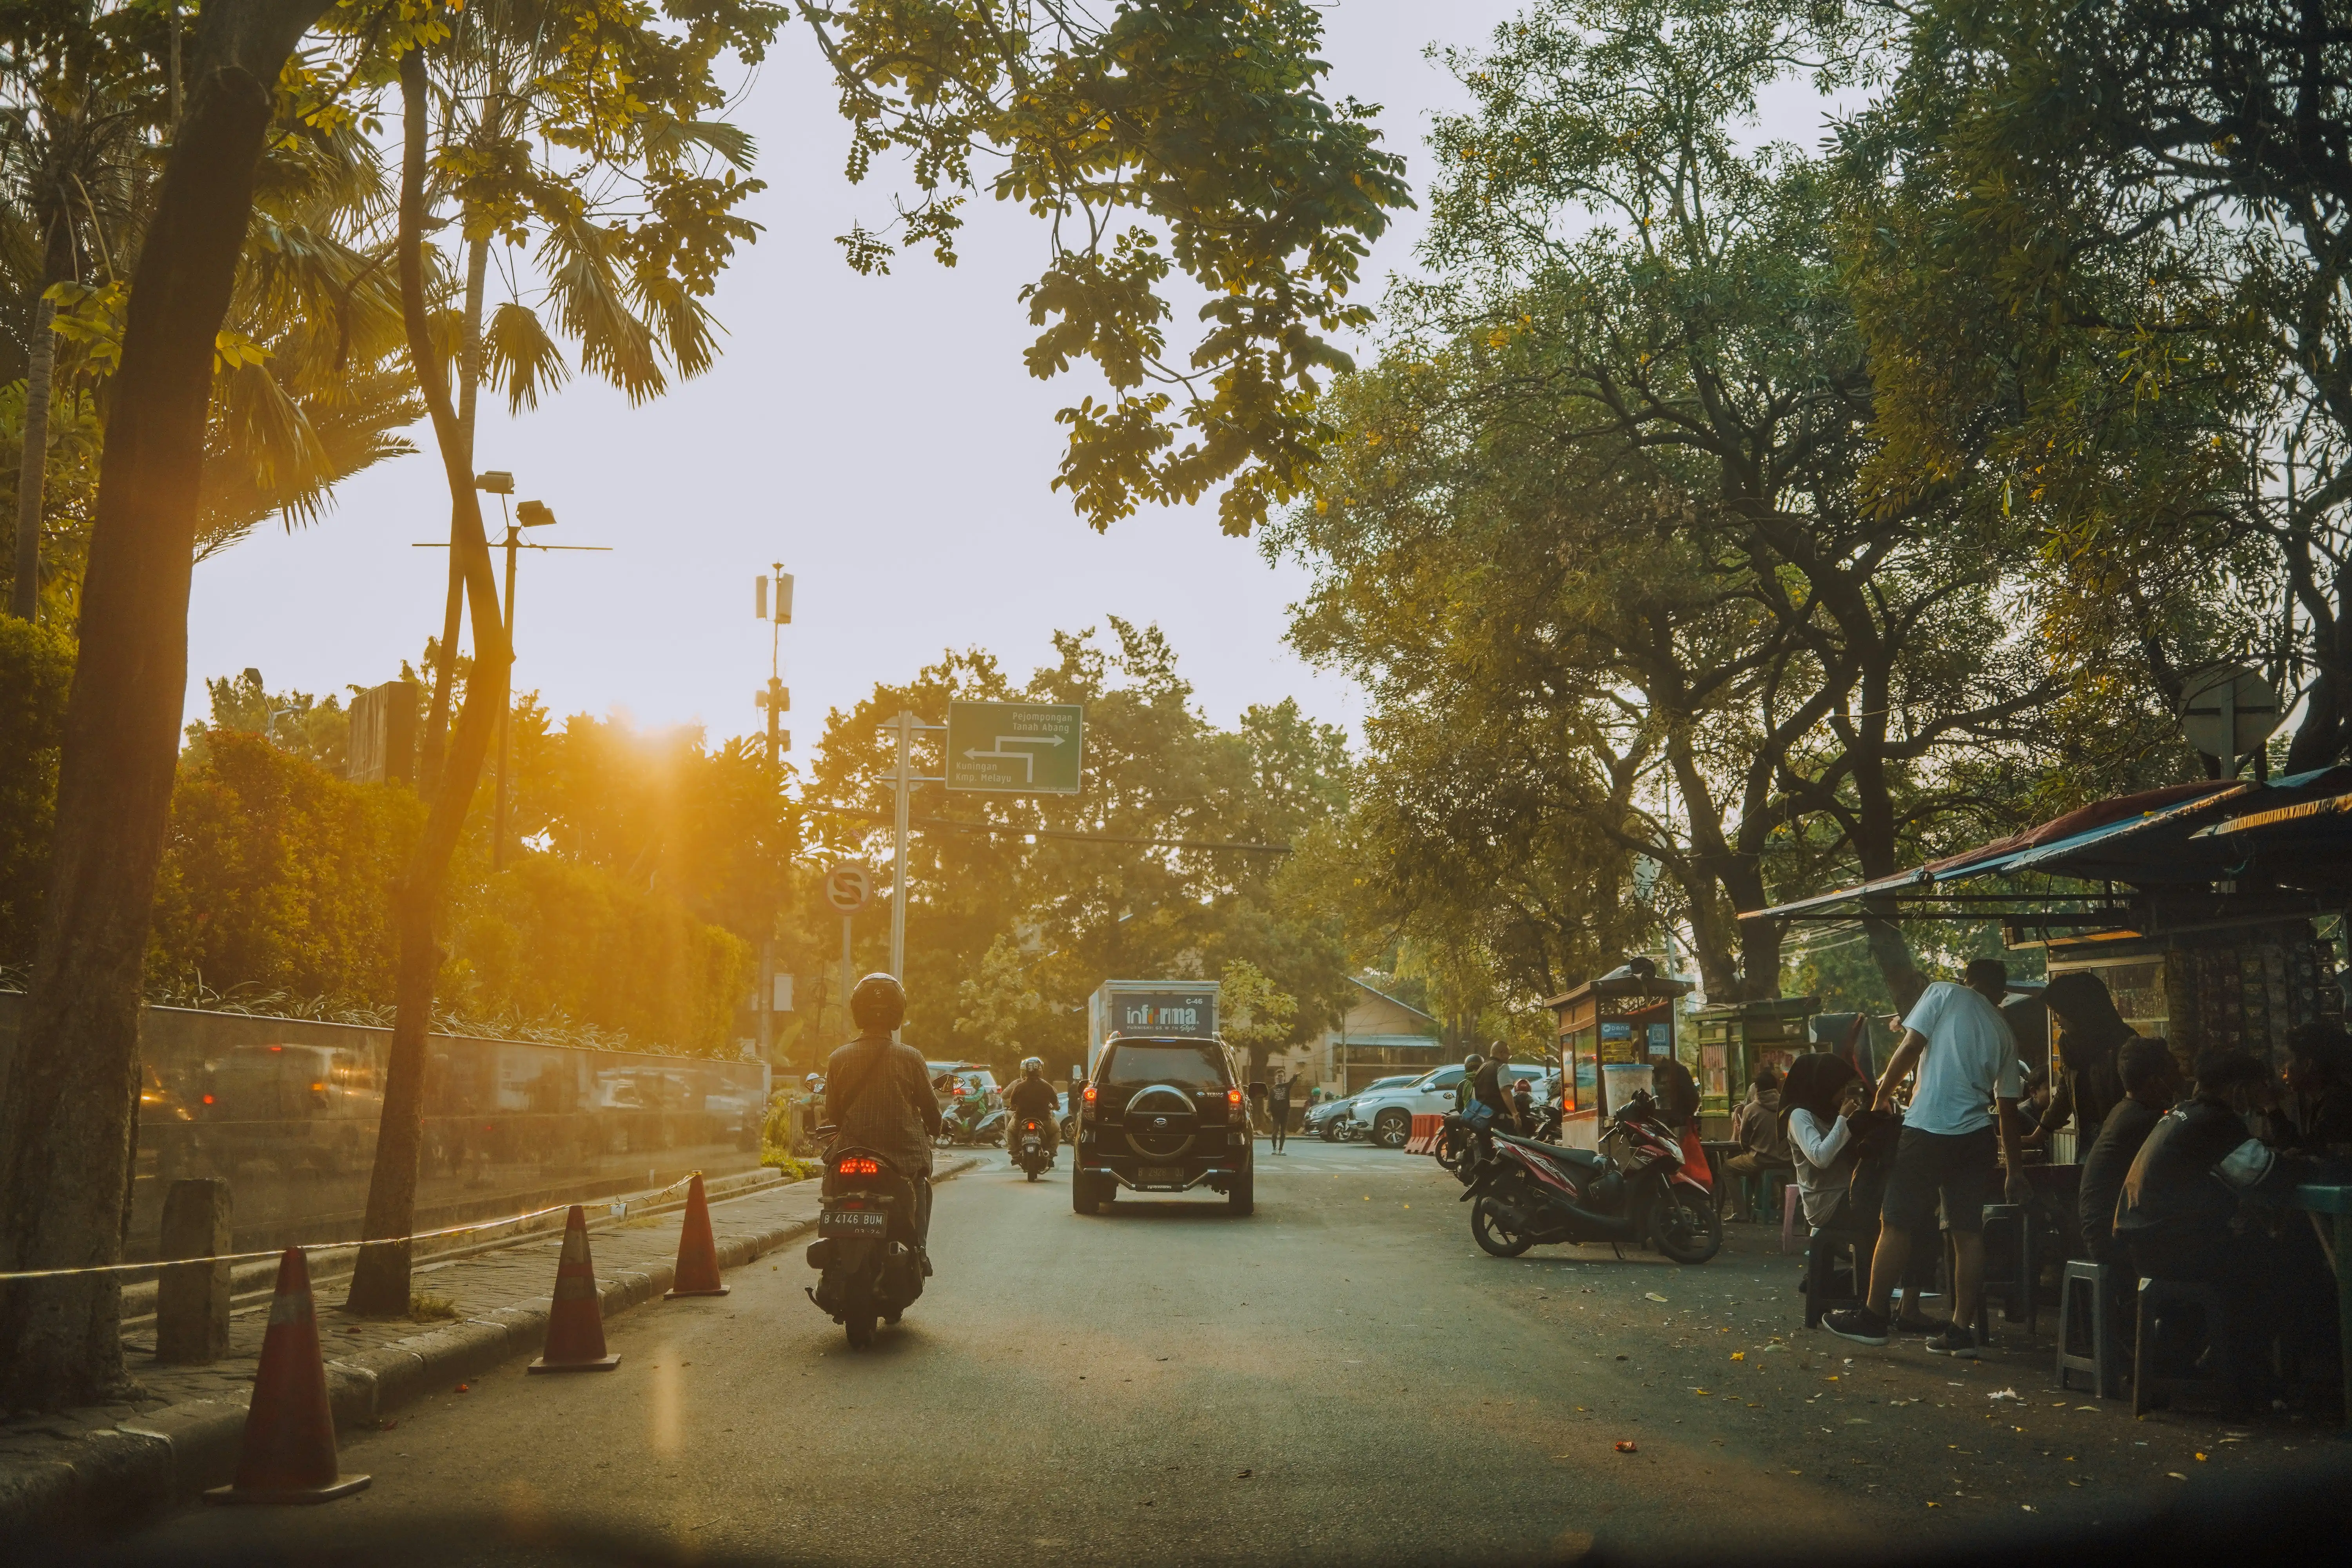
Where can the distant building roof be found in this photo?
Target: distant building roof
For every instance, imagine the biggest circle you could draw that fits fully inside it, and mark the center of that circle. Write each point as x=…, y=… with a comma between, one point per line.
x=1386, y=997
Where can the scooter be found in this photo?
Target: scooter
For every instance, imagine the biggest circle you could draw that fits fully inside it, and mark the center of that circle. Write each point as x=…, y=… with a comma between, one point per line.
x=1526, y=1193
x=867, y=1262
x=1028, y=1146
x=958, y=1126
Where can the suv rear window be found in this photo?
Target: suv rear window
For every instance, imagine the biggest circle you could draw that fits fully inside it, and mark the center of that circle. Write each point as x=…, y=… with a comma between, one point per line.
x=1186, y=1066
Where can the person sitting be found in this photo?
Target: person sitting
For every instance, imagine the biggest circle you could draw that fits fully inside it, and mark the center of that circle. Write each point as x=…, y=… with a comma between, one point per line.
x=1675, y=1094
x=1764, y=1145
x=2316, y=1115
x=1827, y=1123
x=2151, y=1080
x=2183, y=1217
x=2090, y=1032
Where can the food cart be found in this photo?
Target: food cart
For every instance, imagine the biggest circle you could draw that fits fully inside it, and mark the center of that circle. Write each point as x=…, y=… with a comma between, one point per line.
x=1735, y=1039
x=1611, y=1033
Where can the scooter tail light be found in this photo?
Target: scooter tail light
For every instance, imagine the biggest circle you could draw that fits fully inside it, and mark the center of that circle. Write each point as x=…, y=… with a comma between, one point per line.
x=858, y=1165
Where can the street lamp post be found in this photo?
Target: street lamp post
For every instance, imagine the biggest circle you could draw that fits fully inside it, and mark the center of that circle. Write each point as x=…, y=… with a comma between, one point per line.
x=529, y=514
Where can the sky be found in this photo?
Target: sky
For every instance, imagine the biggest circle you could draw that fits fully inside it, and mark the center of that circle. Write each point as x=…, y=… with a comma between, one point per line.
x=878, y=436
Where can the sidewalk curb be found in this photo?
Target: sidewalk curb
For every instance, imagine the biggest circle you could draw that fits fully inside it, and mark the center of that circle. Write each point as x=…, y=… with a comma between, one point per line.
x=114, y=1476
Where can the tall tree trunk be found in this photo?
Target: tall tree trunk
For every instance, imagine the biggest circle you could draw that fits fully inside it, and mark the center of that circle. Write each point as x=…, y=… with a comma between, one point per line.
x=469, y=384
x=67, y=1124
x=380, y=1282
x=31, y=468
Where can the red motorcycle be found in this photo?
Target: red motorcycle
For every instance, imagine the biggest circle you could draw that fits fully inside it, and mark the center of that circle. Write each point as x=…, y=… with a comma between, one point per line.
x=1526, y=1193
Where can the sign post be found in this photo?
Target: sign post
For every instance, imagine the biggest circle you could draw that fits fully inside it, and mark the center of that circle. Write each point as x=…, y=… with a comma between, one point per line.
x=848, y=888
x=1015, y=748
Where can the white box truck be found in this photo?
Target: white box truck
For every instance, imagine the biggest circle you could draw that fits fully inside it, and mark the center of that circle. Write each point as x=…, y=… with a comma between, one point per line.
x=1148, y=1007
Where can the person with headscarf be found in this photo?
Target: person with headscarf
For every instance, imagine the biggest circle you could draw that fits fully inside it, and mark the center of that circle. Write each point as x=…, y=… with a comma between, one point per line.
x=2086, y=1085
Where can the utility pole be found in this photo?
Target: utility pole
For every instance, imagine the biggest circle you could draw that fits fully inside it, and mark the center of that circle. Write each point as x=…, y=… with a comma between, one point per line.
x=778, y=701
x=529, y=514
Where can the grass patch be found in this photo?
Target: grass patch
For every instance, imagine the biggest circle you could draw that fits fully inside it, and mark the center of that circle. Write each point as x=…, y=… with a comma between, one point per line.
x=773, y=1156
x=423, y=1308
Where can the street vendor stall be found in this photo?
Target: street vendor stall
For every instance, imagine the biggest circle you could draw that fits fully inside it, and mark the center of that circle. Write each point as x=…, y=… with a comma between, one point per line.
x=1736, y=1040
x=2195, y=904
x=1612, y=1032
x=2203, y=907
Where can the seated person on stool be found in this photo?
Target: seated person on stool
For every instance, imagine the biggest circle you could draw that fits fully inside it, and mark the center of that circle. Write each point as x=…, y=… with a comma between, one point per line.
x=1825, y=1124
x=2181, y=1216
x=2151, y=1081
x=2315, y=1116
x=1764, y=1147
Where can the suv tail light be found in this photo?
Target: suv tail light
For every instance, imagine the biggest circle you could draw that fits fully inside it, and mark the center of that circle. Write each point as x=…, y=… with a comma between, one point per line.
x=1234, y=1098
x=1090, y=1094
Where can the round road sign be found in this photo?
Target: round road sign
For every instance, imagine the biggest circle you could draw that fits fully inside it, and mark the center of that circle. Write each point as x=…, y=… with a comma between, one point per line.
x=848, y=888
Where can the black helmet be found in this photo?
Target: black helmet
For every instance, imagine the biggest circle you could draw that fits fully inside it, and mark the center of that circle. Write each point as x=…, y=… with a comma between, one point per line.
x=878, y=1002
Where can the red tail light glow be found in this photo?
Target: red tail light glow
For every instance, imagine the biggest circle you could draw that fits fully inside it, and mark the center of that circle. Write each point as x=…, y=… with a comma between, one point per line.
x=1232, y=1097
x=208, y=1100
x=858, y=1165
x=959, y=1090
x=1090, y=1094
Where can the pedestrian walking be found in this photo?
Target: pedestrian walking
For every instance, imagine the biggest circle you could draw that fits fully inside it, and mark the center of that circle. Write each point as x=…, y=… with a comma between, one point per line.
x=1277, y=1108
x=1964, y=1102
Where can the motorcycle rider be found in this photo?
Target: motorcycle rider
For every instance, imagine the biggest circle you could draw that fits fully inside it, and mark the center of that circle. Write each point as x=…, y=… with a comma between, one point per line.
x=877, y=1094
x=1032, y=1099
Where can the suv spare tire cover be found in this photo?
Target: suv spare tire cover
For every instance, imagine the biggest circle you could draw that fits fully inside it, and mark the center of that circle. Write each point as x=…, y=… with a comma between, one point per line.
x=1159, y=1120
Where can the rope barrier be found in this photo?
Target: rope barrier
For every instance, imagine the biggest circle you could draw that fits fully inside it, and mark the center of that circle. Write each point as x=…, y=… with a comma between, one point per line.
x=306, y=1247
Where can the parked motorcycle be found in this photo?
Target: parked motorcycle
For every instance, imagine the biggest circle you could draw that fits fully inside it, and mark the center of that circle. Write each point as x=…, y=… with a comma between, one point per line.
x=1528, y=1193
x=1029, y=1151
x=868, y=1265
x=1459, y=1150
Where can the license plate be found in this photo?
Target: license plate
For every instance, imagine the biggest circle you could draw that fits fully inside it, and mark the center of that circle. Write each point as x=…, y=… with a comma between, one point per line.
x=1161, y=1175
x=853, y=1222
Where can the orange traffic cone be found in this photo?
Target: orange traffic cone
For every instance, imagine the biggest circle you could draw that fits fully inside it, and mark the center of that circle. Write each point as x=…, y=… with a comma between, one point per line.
x=698, y=1254
x=288, y=1451
x=575, y=1320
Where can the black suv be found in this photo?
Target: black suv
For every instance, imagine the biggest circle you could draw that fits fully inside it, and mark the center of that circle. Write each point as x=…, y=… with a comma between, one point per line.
x=1165, y=1114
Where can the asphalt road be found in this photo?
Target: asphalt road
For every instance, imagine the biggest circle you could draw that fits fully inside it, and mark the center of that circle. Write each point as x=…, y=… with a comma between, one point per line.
x=1342, y=1377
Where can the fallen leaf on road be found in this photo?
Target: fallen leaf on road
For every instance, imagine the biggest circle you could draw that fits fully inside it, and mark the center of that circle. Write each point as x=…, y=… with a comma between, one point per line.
x=464, y=1388
x=2200, y=1458
x=2176, y=1475
x=2007, y=1394
x=1740, y=1355
x=1651, y=1296
x=1242, y=1476
x=1625, y=1445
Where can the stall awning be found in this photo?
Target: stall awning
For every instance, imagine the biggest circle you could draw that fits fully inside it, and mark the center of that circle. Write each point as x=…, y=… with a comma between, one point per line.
x=2294, y=832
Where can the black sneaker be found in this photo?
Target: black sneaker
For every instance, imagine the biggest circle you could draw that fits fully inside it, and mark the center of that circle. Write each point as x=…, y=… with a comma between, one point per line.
x=1955, y=1341
x=1860, y=1324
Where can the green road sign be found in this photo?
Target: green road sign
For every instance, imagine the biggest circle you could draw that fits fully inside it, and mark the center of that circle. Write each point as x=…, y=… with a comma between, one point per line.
x=1014, y=747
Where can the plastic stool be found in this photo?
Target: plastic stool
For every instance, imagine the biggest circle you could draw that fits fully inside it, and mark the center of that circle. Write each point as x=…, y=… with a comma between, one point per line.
x=1792, y=1202
x=2100, y=1361
x=2162, y=1300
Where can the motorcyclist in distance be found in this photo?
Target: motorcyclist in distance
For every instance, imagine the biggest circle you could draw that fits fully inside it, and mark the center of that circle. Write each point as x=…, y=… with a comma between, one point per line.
x=877, y=1093
x=1031, y=1098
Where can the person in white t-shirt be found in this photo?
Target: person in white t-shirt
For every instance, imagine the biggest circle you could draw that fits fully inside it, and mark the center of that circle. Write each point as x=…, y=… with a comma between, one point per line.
x=1968, y=1084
